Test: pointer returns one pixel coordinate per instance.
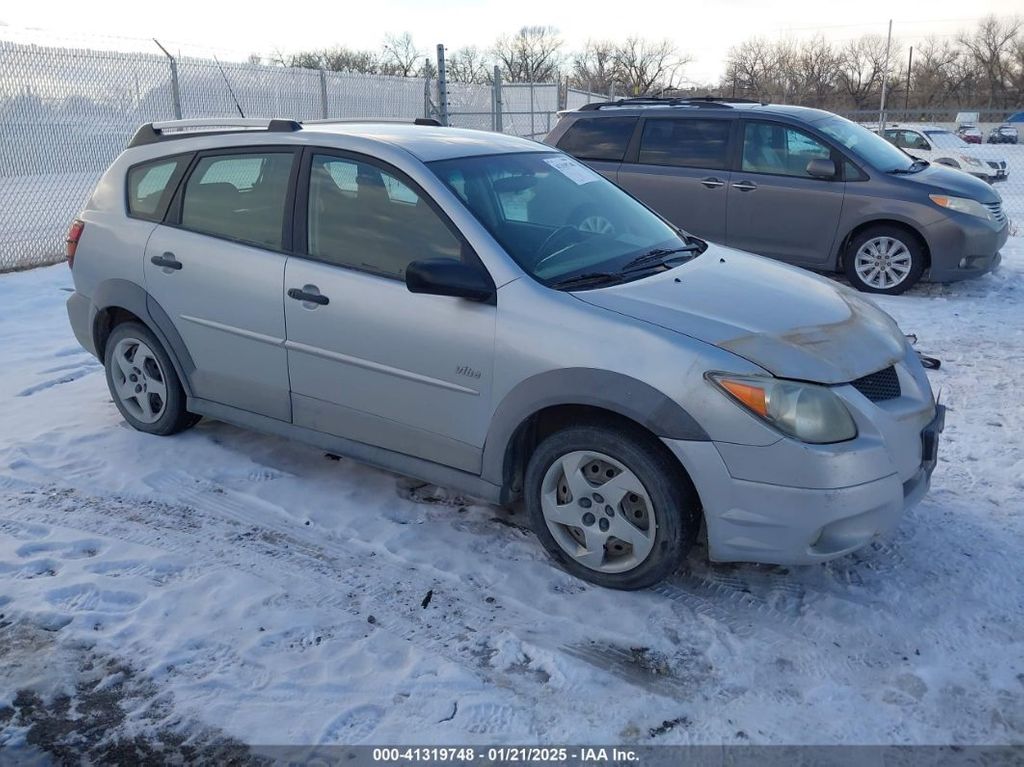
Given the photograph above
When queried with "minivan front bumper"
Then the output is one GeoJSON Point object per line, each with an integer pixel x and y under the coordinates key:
{"type": "Point", "coordinates": [778, 523]}
{"type": "Point", "coordinates": [963, 246]}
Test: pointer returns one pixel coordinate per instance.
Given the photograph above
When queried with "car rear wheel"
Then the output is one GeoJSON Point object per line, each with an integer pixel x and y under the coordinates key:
{"type": "Point", "coordinates": [884, 259]}
{"type": "Point", "coordinates": [143, 383]}
{"type": "Point", "coordinates": [610, 506]}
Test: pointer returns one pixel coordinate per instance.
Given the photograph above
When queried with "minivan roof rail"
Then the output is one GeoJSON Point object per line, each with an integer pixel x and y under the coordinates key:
{"type": "Point", "coordinates": [166, 130]}
{"type": "Point", "coordinates": [151, 133]}
{"type": "Point", "coordinates": [690, 101]}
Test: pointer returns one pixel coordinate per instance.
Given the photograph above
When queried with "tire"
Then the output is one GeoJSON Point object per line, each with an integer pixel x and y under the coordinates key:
{"type": "Point", "coordinates": [153, 401]}
{"type": "Point", "coordinates": [630, 456]}
{"type": "Point", "coordinates": [871, 248]}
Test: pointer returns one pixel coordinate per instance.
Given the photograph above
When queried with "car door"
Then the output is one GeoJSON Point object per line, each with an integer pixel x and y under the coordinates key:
{"type": "Point", "coordinates": [369, 360]}
{"type": "Point", "coordinates": [681, 171]}
{"type": "Point", "coordinates": [776, 208]}
{"type": "Point", "coordinates": [216, 266]}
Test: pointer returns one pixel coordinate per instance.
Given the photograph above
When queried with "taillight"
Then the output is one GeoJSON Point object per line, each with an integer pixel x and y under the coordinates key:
{"type": "Point", "coordinates": [74, 235]}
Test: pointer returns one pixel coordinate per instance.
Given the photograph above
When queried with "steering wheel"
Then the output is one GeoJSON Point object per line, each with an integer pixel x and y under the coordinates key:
{"type": "Point", "coordinates": [555, 237]}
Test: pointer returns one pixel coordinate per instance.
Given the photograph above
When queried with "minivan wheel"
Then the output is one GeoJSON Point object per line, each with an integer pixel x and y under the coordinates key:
{"type": "Point", "coordinates": [610, 506]}
{"type": "Point", "coordinates": [143, 383]}
{"type": "Point", "coordinates": [884, 259]}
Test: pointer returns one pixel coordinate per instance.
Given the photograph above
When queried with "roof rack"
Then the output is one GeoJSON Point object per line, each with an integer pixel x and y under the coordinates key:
{"type": "Point", "coordinates": [166, 130]}
{"type": "Point", "coordinates": [690, 101]}
{"type": "Point", "coordinates": [151, 133]}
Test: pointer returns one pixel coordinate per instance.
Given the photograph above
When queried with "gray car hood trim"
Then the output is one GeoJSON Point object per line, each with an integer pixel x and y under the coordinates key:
{"type": "Point", "coordinates": [790, 322]}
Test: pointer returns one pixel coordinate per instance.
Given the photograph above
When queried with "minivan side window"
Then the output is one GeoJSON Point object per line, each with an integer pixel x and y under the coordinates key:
{"type": "Point", "coordinates": [363, 217]}
{"type": "Point", "coordinates": [151, 186]}
{"type": "Point", "coordinates": [604, 138]}
{"type": "Point", "coordinates": [685, 142]}
{"type": "Point", "coordinates": [780, 150]}
{"type": "Point", "coordinates": [239, 197]}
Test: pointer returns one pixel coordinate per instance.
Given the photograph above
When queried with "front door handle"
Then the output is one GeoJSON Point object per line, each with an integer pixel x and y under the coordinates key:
{"type": "Point", "coordinates": [745, 186]}
{"type": "Point", "coordinates": [306, 294]}
{"type": "Point", "coordinates": [712, 183]}
{"type": "Point", "coordinates": [166, 261]}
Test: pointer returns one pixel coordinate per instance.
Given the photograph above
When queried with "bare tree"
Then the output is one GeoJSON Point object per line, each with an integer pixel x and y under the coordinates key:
{"type": "Point", "coordinates": [533, 54]}
{"type": "Point", "coordinates": [862, 69]}
{"type": "Point", "coordinates": [593, 68]}
{"type": "Point", "coordinates": [816, 71]}
{"type": "Point", "coordinates": [469, 65]}
{"type": "Point", "coordinates": [991, 45]}
{"type": "Point", "coordinates": [644, 66]}
{"type": "Point", "coordinates": [400, 56]}
{"type": "Point", "coordinates": [755, 68]}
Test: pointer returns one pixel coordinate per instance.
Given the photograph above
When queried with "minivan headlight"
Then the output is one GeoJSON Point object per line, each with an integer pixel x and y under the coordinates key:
{"type": "Point", "coordinates": [960, 205]}
{"type": "Point", "coordinates": [808, 412]}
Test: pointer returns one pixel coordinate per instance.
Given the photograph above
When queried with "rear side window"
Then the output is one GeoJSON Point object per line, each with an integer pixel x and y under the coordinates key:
{"type": "Point", "coordinates": [687, 143]}
{"type": "Point", "coordinates": [239, 196]}
{"type": "Point", "coordinates": [151, 186]}
{"type": "Point", "coordinates": [604, 138]}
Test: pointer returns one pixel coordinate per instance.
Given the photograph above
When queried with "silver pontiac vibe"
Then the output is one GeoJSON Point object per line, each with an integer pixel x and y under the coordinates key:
{"type": "Point", "coordinates": [486, 313]}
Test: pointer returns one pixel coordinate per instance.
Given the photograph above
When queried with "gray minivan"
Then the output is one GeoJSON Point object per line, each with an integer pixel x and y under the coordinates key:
{"type": "Point", "coordinates": [796, 184]}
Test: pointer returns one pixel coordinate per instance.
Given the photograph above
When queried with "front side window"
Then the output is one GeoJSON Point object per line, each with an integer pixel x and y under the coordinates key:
{"type": "Point", "coordinates": [151, 185]}
{"type": "Point", "coordinates": [780, 150]}
{"type": "Point", "coordinates": [687, 143]}
{"type": "Point", "coordinates": [604, 138]}
{"type": "Point", "coordinates": [363, 217]}
{"type": "Point", "coordinates": [239, 196]}
{"type": "Point", "coordinates": [556, 217]}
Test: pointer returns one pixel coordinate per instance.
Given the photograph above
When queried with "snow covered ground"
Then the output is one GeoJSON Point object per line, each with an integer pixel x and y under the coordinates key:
{"type": "Point", "coordinates": [223, 586]}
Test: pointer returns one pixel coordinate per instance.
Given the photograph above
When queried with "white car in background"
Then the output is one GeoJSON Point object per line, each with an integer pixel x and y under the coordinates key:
{"type": "Point", "coordinates": [938, 145]}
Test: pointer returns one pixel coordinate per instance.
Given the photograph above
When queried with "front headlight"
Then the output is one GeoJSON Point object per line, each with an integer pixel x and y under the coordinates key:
{"type": "Point", "coordinates": [971, 160]}
{"type": "Point", "coordinates": [808, 412]}
{"type": "Point", "coordinates": [960, 205]}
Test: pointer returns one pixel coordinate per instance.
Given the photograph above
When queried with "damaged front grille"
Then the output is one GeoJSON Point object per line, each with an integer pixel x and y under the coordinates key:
{"type": "Point", "coordinates": [880, 386]}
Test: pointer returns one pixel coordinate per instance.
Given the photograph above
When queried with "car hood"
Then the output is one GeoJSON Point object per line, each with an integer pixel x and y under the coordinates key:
{"type": "Point", "coordinates": [788, 321]}
{"type": "Point", "coordinates": [946, 180]}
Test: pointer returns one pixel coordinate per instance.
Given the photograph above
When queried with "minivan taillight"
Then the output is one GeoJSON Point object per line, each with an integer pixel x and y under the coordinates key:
{"type": "Point", "coordinates": [74, 235]}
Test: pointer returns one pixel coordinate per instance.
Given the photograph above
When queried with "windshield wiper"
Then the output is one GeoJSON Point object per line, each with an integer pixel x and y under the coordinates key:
{"type": "Point", "coordinates": [586, 278]}
{"type": "Point", "coordinates": [658, 256]}
{"type": "Point", "coordinates": [915, 166]}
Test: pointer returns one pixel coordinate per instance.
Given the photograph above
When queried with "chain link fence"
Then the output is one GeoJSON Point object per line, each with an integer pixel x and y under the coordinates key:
{"type": "Point", "coordinates": [65, 114]}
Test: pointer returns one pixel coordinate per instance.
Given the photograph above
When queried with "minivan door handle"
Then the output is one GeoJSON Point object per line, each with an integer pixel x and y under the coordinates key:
{"type": "Point", "coordinates": [307, 295]}
{"type": "Point", "coordinates": [167, 261]}
{"type": "Point", "coordinates": [711, 182]}
{"type": "Point", "coordinates": [745, 186]}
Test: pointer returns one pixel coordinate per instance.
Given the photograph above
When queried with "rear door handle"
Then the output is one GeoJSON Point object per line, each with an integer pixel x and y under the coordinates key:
{"type": "Point", "coordinates": [166, 261]}
{"type": "Point", "coordinates": [712, 183]}
{"type": "Point", "coordinates": [300, 294]}
{"type": "Point", "coordinates": [745, 186]}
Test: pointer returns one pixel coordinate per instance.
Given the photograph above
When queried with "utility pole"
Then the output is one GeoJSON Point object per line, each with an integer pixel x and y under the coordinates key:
{"type": "Point", "coordinates": [910, 74]}
{"type": "Point", "coordinates": [175, 91]}
{"type": "Point", "coordinates": [885, 81]}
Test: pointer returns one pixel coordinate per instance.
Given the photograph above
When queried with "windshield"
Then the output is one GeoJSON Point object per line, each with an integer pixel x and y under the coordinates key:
{"type": "Point", "coordinates": [867, 145]}
{"type": "Point", "coordinates": [559, 219]}
{"type": "Point", "coordinates": [943, 139]}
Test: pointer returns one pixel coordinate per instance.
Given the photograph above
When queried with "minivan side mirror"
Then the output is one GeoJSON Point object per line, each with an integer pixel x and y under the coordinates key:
{"type": "Point", "coordinates": [448, 277]}
{"type": "Point", "coordinates": [819, 167]}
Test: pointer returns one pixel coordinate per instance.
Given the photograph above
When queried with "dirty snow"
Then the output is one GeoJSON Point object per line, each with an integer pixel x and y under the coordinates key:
{"type": "Point", "coordinates": [225, 586]}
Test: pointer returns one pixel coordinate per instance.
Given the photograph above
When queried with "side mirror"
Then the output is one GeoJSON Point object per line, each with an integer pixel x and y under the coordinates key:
{"type": "Point", "coordinates": [448, 277]}
{"type": "Point", "coordinates": [819, 167]}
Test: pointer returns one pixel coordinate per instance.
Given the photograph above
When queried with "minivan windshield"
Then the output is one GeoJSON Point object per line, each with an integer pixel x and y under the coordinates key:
{"type": "Point", "coordinates": [562, 222]}
{"type": "Point", "coordinates": [866, 144]}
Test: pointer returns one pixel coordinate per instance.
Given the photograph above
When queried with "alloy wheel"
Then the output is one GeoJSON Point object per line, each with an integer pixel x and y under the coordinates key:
{"type": "Point", "coordinates": [139, 380]}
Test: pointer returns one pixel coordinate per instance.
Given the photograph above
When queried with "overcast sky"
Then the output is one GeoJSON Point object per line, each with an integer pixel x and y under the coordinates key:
{"type": "Point", "coordinates": [705, 30]}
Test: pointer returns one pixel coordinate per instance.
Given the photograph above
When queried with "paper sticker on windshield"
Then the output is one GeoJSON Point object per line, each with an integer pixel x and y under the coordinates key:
{"type": "Point", "coordinates": [572, 170]}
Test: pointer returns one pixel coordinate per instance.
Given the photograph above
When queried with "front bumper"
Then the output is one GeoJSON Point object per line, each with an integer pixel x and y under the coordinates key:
{"type": "Point", "coordinates": [759, 521]}
{"type": "Point", "coordinates": [957, 237]}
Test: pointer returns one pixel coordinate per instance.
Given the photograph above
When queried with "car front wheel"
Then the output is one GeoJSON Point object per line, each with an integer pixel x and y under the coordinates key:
{"type": "Point", "coordinates": [884, 259]}
{"type": "Point", "coordinates": [610, 505]}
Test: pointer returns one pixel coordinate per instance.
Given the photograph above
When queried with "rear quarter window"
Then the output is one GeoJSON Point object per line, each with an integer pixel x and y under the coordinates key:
{"type": "Point", "coordinates": [598, 138]}
{"type": "Point", "coordinates": [151, 185]}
